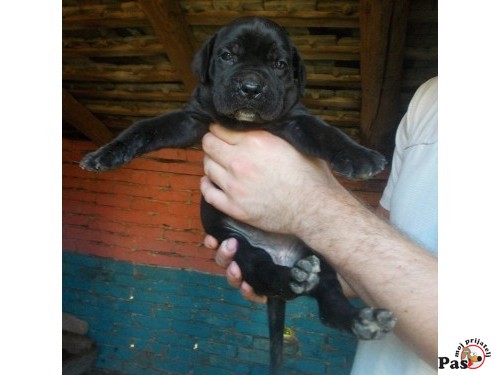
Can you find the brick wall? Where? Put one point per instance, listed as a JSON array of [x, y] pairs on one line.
[[148, 210], [145, 212], [153, 320]]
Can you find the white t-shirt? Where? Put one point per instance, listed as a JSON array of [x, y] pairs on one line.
[[411, 198]]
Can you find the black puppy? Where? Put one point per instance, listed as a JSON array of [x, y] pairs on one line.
[[252, 77]]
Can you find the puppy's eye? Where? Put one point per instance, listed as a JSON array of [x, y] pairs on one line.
[[226, 56], [280, 64]]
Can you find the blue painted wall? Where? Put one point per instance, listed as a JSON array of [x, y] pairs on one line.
[[151, 320]]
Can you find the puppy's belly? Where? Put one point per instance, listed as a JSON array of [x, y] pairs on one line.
[[285, 250]]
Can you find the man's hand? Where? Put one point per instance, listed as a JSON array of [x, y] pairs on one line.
[[260, 179], [224, 258]]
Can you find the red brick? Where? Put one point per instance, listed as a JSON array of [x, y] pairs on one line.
[[195, 155], [196, 197], [107, 225], [170, 221], [170, 153], [72, 156], [184, 182], [151, 232], [192, 169], [85, 146], [205, 265], [196, 251], [71, 206], [152, 178], [102, 211], [75, 219], [183, 236], [195, 224], [164, 165], [149, 205], [152, 244], [98, 186], [78, 195], [115, 239], [103, 250], [184, 210], [169, 195], [131, 189], [76, 232], [74, 170], [148, 164], [118, 214], [120, 174], [71, 182], [115, 200], [140, 257], [179, 223], [68, 244]]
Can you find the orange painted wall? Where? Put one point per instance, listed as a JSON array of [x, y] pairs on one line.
[[147, 211]]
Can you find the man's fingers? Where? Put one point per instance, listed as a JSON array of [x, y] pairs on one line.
[[225, 254], [215, 172], [229, 136], [233, 274], [217, 149], [249, 294], [210, 242], [234, 279], [218, 198]]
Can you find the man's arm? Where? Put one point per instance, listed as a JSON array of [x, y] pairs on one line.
[[267, 183], [381, 265]]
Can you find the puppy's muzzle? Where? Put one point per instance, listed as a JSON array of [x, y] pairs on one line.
[[250, 90], [250, 87]]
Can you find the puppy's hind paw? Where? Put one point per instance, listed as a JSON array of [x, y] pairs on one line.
[[373, 324], [305, 274]]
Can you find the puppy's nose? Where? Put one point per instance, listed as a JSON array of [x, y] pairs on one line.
[[251, 89]]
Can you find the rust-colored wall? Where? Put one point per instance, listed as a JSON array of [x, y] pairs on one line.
[[147, 211]]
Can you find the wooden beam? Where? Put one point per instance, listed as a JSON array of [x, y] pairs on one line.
[[112, 47], [171, 28], [383, 25], [118, 73], [127, 14], [346, 19], [82, 119]]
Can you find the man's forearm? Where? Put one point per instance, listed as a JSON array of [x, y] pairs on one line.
[[381, 265]]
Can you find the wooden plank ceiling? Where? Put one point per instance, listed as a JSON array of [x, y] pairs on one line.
[[128, 60]]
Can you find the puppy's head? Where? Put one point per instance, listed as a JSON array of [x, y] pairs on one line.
[[251, 71]]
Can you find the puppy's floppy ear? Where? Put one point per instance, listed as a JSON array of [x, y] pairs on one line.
[[201, 61], [299, 70]]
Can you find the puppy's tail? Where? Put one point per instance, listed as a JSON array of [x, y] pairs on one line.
[[276, 316]]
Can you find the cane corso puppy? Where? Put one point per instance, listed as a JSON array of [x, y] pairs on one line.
[[252, 77]]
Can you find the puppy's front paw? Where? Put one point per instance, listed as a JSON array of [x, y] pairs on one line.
[[359, 162], [373, 324], [305, 274], [103, 159]]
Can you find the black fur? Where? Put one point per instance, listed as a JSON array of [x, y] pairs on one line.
[[252, 77]]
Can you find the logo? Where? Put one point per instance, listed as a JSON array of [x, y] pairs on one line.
[[471, 356]]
